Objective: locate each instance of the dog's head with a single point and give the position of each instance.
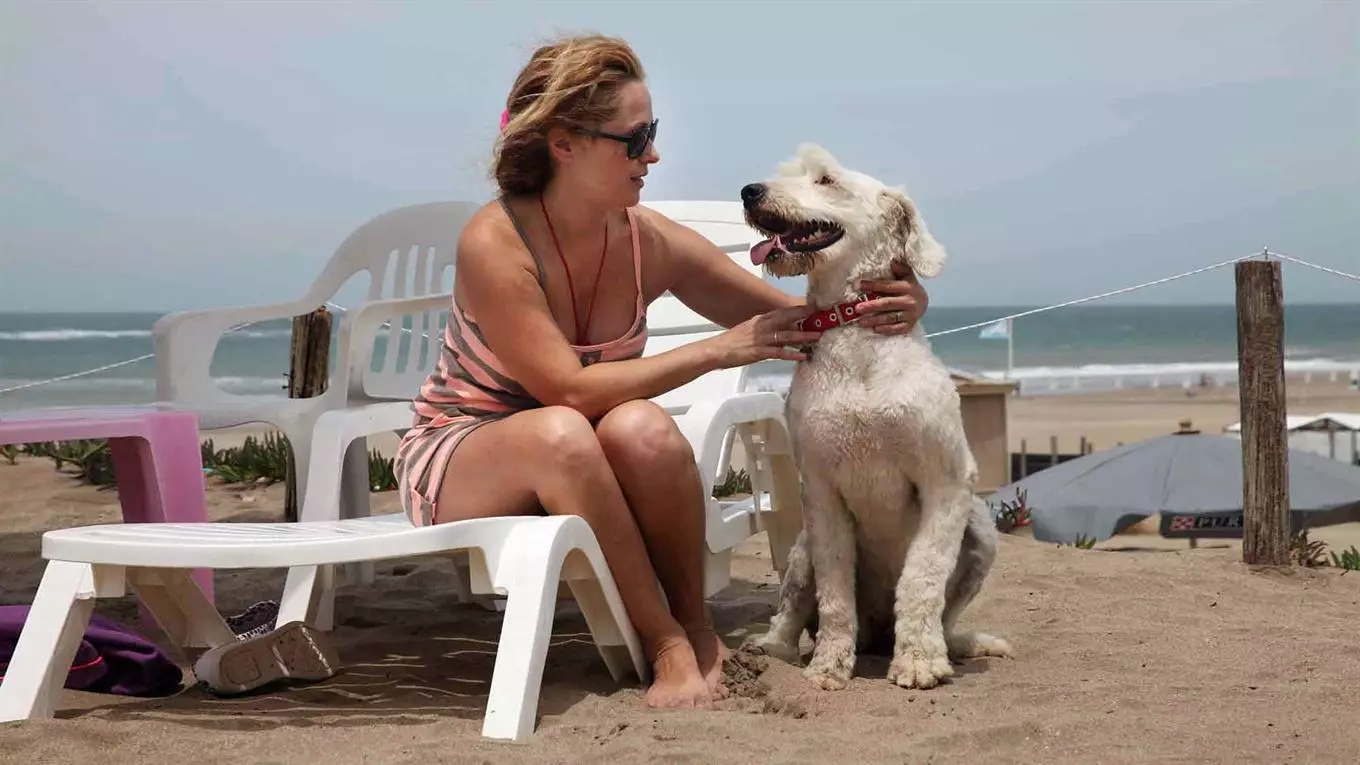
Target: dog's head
(818, 213)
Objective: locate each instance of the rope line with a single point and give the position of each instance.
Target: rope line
(1102, 295)
(117, 364)
(1332, 271)
(977, 325)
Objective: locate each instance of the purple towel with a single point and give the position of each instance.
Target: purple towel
(110, 659)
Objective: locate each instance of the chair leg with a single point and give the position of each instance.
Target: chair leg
(354, 502)
(785, 523)
(517, 677)
(179, 606)
(42, 656)
(516, 680)
(609, 627)
(309, 596)
(534, 557)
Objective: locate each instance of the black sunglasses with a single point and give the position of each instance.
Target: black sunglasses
(637, 140)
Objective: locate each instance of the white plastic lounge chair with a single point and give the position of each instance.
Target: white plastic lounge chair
(522, 559)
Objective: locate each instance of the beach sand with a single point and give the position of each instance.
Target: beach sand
(1136, 652)
(1107, 419)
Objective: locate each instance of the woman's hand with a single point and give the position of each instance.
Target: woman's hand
(903, 304)
(765, 336)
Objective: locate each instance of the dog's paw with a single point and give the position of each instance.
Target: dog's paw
(767, 645)
(831, 665)
(827, 678)
(972, 645)
(920, 662)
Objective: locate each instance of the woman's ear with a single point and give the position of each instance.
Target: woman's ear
(918, 248)
(561, 144)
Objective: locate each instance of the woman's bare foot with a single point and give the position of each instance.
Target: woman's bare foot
(677, 681)
(710, 653)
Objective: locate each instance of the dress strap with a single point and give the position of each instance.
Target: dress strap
(637, 254)
(538, 264)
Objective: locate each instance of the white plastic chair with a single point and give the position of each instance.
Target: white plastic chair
(522, 559)
(710, 411)
(408, 255)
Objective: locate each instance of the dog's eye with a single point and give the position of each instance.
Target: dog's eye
(825, 180)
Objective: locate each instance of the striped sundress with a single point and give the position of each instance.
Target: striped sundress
(470, 388)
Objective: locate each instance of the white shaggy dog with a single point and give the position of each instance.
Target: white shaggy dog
(893, 535)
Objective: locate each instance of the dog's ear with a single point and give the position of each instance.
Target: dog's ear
(919, 249)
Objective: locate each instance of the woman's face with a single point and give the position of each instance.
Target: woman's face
(599, 162)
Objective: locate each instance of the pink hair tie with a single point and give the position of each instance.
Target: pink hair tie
(505, 118)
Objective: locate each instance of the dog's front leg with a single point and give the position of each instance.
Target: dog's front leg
(920, 654)
(831, 535)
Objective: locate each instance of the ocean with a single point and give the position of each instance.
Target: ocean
(1079, 348)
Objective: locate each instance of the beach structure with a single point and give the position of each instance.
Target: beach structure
(986, 425)
(1335, 435)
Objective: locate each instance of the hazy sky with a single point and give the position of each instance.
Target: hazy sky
(158, 156)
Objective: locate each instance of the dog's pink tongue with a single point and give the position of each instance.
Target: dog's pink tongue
(762, 250)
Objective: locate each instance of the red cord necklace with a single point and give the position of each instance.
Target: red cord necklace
(590, 309)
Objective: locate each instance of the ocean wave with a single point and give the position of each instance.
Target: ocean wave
(244, 385)
(57, 335)
(1165, 369)
(39, 335)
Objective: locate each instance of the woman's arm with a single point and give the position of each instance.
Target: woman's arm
(496, 282)
(707, 280)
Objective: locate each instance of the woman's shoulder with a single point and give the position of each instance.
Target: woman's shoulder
(669, 238)
(489, 229)
(662, 235)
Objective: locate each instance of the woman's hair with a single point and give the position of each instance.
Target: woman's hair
(573, 84)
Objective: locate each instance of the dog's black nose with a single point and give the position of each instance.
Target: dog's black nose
(752, 192)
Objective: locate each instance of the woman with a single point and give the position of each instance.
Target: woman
(540, 398)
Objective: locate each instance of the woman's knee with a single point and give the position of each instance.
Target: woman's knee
(567, 440)
(642, 435)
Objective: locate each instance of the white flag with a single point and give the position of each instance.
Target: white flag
(998, 330)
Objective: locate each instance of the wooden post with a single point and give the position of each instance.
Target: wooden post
(1024, 459)
(1261, 397)
(308, 371)
(1052, 450)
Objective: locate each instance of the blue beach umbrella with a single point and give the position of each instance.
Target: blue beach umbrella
(1194, 480)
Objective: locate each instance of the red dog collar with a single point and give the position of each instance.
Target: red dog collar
(837, 315)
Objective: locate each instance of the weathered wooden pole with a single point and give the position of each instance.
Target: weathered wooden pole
(308, 371)
(1261, 392)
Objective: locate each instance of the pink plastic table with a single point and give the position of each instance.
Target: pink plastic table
(157, 462)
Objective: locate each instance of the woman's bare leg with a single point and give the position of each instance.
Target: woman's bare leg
(551, 456)
(655, 468)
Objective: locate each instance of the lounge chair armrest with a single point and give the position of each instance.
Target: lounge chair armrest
(185, 342)
(706, 423)
(361, 326)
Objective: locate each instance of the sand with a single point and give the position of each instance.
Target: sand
(1106, 419)
(1125, 653)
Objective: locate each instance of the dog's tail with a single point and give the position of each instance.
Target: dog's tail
(976, 555)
